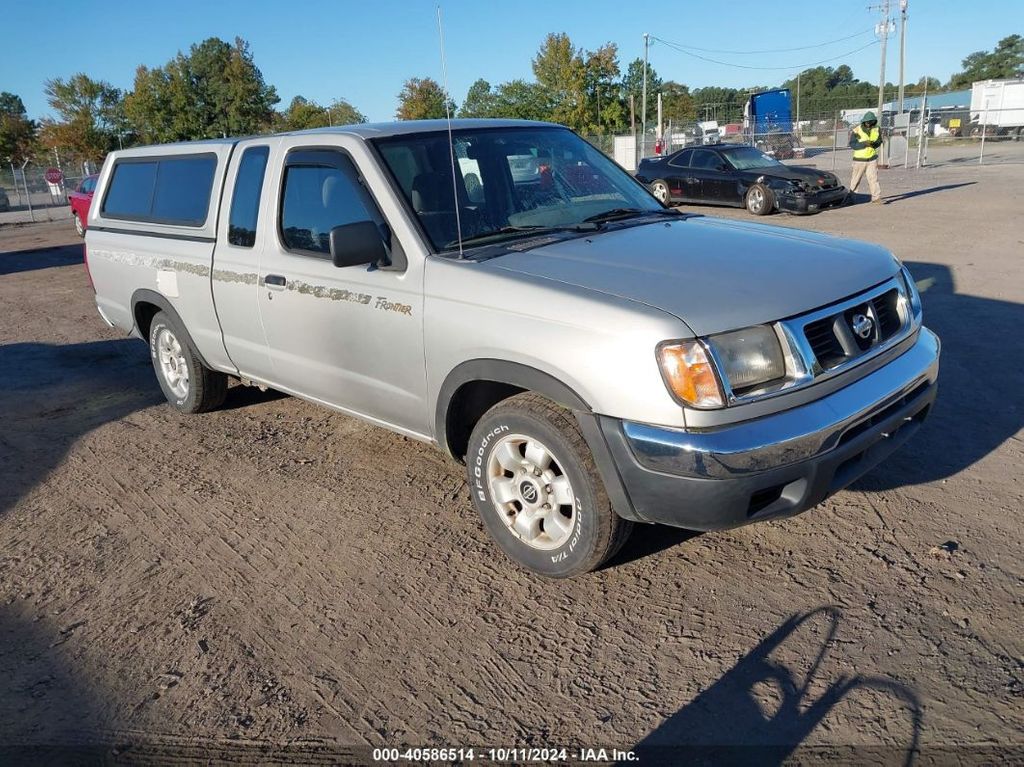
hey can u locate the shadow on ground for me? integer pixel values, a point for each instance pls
(761, 710)
(41, 258)
(979, 406)
(51, 395)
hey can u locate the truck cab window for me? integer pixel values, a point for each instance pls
(245, 202)
(317, 198)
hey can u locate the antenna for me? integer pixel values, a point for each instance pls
(448, 115)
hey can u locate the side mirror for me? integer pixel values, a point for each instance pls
(358, 243)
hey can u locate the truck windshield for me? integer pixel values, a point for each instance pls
(509, 182)
(748, 158)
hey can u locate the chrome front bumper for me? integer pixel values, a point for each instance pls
(778, 464)
(792, 435)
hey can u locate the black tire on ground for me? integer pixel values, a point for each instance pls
(660, 190)
(759, 200)
(204, 389)
(596, 533)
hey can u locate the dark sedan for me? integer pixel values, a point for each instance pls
(741, 176)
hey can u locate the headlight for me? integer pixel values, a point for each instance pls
(913, 297)
(694, 370)
(749, 357)
(689, 374)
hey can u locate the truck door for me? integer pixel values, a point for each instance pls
(351, 337)
(236, 262)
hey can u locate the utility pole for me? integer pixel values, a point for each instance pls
(882, 29)
(643, 99)
(798, 102)
(903, 47)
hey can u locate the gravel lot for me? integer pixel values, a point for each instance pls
(273, 578)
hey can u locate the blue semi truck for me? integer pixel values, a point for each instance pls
(768, 122)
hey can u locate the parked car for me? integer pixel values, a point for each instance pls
(593, 358)
(80, 200)
(739, 175)
(5, 202)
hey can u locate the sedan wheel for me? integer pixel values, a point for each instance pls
(760, 200)
(660, 190)
(79, 229)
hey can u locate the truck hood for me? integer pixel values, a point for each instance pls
(714, 274)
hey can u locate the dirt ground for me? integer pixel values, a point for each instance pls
(276, 578)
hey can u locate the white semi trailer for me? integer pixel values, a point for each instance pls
(998, 105)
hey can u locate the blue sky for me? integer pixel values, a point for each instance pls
(363, 51)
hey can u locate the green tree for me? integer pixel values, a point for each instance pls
(601, 76)
(677, 104)
(560, 72)
(926, 83)
(215, 90)
(89, 116)
(422, 99)
(1005, 61)
(632, 86)
(480, 101)
(522, 100)
(17, 132)
(303, 114)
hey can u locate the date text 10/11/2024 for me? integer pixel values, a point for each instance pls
(511, 754)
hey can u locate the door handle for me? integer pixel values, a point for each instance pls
(275, 281)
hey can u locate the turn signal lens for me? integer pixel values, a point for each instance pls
(690, 374)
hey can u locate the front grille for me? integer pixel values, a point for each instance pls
(856, 330)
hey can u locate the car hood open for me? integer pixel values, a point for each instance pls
(714, 274)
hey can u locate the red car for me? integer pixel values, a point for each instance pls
(80, 199)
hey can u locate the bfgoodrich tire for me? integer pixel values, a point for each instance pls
(188, 385)
(536, 487)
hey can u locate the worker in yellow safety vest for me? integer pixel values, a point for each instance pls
(865, 140)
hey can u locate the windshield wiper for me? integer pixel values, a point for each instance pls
(616, 214)
(524, 230)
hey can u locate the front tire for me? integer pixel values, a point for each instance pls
(536, 487)
(759, 200)
(660, 190)
(188, 385)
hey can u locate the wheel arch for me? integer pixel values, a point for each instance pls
(145, 305)
(475, 386)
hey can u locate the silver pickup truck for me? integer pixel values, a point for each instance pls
(506, 292)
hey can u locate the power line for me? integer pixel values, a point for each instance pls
(747, 66)
(768, 50)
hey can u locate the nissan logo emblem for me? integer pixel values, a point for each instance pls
(862, 325)
(529, 492)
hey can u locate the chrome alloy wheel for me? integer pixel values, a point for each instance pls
(660, 190)
(172, 363)
(755, 199)
(531, 492)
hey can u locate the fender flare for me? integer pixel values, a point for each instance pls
(501, 371)
(145, 295)
(532, 379)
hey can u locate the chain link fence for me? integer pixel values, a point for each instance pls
(26, 195)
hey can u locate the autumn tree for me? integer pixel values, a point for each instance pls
(423, 99)
(677, 104)
(17, 132)
(89, 116)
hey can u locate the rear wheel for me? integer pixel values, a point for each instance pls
(660, 190)
(79, 229)
(536, 487)
(189, 386)
(760, 200)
